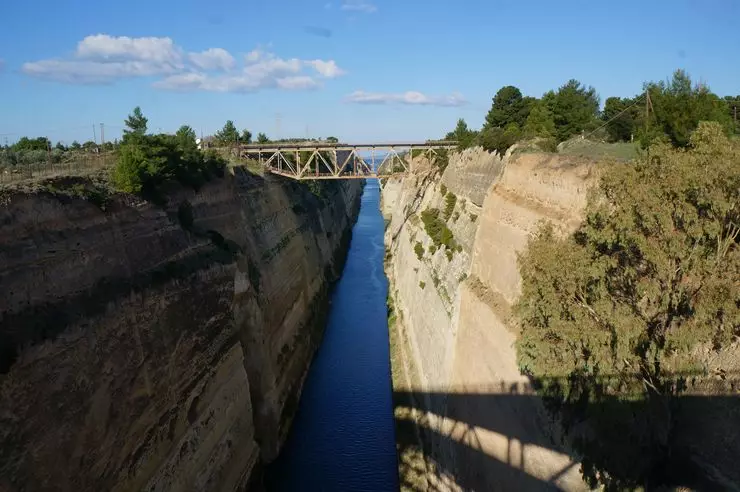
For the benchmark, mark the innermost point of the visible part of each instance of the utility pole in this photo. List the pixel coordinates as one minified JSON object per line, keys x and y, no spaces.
{"x":95,"y":137}
{"x":102,"y":134}
{"x":648,"y":105}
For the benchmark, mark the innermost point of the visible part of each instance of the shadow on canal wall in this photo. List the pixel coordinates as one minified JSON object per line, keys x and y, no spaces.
{"x":488,"y":439}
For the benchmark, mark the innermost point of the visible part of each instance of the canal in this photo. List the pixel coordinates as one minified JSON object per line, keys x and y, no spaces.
{"x":342,"y":438}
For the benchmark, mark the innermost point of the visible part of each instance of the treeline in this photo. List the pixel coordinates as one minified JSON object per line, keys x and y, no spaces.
{"x":35,"y":151}
{"x":230,"y":135}
{"x":665,"y":111}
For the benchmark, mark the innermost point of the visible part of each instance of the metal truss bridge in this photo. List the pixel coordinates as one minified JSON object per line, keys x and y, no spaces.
{"x":305,"y":161}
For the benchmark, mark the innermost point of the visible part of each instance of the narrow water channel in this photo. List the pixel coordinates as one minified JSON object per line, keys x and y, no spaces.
{"x":342,"y":438}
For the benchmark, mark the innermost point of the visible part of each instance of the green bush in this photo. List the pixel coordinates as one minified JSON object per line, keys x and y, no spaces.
{"x":422,"y":285}
{"x":436,"y":228}
{"x":443,"y":189}
{"x":449,"y":253}
{"x":419,"y":250}
{"x":432,"y":249}
{"x":450,"y":201}
{"x":145,"y":162}
{"x":548,"y":145}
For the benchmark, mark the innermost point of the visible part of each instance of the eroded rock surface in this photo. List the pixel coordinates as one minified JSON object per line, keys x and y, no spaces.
{"x":149,"y":347}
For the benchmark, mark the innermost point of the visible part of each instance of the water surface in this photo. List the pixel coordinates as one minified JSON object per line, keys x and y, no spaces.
{"x":343,"y":437}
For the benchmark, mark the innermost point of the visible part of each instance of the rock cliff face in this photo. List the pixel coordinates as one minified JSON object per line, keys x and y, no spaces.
{"x":149,"y":347}
{"x":476,"y":422}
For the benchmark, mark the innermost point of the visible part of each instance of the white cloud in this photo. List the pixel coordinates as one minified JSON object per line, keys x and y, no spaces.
{"x":105,"y":47}
{"x":328,"y":69}
{"x":234,"y":83}
{"x":270,"y":66}
{"x":213,"y":59}
{"x":298,"y":82}
{"x":102,"y":59}
{"x":90,"y":72}
{"x":359,"y":6}
{"x":409,"y":97}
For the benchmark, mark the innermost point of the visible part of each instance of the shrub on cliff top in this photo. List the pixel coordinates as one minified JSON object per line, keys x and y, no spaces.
{"x":611,"y":317}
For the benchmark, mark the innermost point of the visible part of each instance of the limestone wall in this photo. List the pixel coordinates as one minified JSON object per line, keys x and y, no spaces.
{"x":160,"y":347}
{"x":478,"y":422}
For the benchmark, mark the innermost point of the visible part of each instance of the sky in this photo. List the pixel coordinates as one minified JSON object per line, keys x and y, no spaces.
{"x":360,"y":70}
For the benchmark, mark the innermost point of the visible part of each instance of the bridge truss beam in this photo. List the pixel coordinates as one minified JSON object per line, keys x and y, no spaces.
{"x":303,"y":162}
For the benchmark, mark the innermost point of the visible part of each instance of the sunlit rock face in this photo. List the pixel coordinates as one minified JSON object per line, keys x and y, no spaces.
{"x":466,"y":418}
{"x":160,"y":347}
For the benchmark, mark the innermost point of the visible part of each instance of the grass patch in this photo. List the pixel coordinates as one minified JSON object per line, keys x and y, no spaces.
{"x":622,"y":151}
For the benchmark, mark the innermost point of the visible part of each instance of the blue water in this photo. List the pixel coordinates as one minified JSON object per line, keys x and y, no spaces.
{"x":343,"y":437}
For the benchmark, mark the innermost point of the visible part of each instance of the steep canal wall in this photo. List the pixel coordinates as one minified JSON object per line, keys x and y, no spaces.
{"x":466,"y":418}
{"x":160,"y":347}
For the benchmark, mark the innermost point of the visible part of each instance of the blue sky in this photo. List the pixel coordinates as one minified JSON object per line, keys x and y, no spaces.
{"x":357,"y":69}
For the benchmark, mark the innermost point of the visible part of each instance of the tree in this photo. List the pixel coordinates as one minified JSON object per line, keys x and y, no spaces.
{"x":262,"y":138}
{"x":136,"y":123}
{"x":131,"y":171}
{"x":464,"y":136}
{"x":509,"y":107}
{"x":228,"y":134}
{"x":621,"y":117}
{"x":186,"y":138}
{"x":26,"y":144}
{"x":733,"y":108}
{"x":332,"y":140}
{"x":75,"y":145}
{"x":60,"y":146}
{"x":499,"y":139}
{"x":573,"y":107}
{"x":89,"y":145}
{"x":246,"y":137}
{"x":679,"y":107}
{"x":539,"y":122}
{"x":612,"y":317}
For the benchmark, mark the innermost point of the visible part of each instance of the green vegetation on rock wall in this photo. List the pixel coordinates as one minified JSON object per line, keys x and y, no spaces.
{"x":616,"y":318}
